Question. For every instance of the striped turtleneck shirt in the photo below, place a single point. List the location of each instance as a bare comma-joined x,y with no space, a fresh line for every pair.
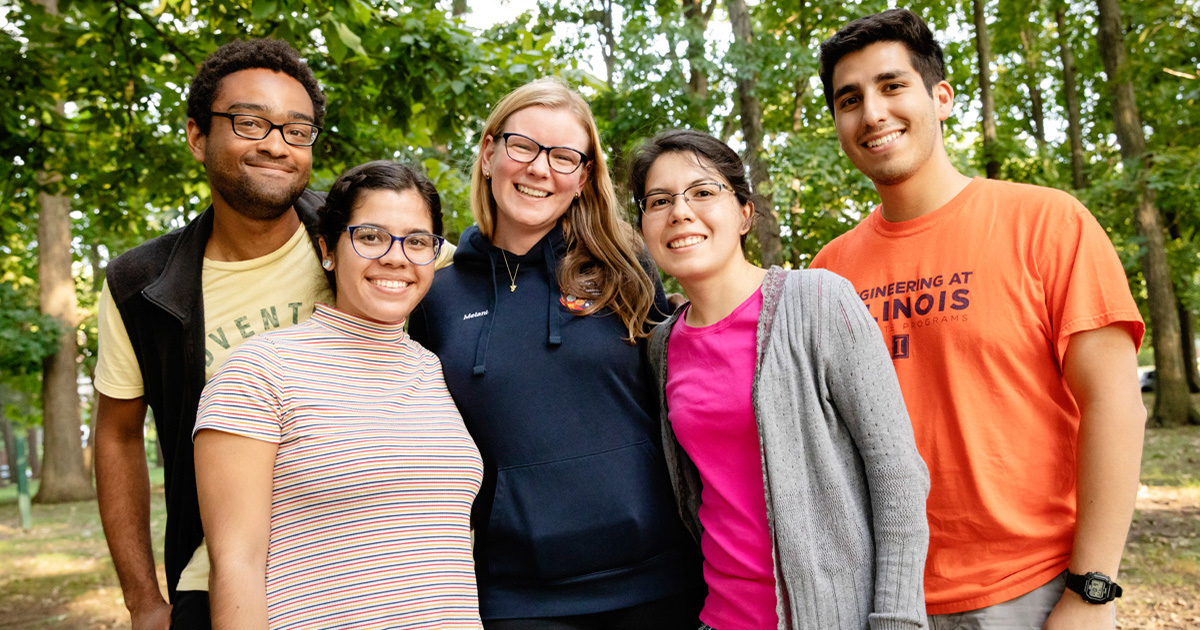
373,479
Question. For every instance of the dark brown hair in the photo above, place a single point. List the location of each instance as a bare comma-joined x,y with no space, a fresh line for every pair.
894,25
708,151
334,216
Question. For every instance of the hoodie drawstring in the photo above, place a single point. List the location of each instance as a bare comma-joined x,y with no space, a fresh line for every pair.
485,334
554,314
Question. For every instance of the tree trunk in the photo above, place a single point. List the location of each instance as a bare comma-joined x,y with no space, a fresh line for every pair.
984,49
799,92
34,438
64,476
766,224
731,122
1172,401
800,85
608,47
1187,322
1036,115
1071,96
696,17
1187,338
9,440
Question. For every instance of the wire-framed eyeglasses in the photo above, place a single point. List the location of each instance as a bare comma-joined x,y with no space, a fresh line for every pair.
370,242
251,127
524,149
698,196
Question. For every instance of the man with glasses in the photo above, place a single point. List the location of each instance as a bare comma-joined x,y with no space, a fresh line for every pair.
173,308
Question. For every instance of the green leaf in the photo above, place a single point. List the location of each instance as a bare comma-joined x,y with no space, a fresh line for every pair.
352,41
263,9
337,49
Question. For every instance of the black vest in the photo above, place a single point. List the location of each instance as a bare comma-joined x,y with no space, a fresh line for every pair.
157,289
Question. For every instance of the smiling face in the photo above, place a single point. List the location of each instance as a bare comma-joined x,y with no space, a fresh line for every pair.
388,288
259,179
531,198
693,242
888,123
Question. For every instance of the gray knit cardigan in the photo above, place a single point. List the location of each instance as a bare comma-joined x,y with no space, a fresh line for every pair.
844,483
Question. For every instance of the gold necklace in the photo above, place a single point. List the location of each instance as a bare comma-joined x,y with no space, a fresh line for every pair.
512,277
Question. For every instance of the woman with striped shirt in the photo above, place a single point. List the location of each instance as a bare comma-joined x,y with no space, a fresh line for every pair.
334,472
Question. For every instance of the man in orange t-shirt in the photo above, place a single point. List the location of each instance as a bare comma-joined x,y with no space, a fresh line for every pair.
1014,337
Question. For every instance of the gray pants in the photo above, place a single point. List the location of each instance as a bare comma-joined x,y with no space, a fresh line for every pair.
1027,612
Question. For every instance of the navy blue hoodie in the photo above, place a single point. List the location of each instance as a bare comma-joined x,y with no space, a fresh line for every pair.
576,513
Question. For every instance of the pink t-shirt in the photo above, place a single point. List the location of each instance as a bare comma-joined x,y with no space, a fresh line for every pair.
710,373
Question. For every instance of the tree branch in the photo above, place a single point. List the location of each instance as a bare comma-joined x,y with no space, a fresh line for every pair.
150,22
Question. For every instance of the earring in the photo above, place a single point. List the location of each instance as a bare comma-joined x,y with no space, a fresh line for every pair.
327,265
487,175
577,194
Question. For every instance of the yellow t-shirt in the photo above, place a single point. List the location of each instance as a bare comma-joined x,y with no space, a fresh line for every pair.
241,299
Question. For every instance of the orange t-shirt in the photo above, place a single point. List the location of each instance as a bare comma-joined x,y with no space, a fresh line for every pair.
977,301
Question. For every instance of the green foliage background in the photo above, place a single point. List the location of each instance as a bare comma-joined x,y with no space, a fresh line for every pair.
97,95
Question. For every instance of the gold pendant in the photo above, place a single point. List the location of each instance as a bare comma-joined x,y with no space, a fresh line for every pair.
512,288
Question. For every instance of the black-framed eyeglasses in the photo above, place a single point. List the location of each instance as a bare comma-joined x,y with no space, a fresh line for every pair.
524,149
251,127
698,196
370,242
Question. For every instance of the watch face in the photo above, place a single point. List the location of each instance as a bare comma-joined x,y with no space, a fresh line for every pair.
1095,588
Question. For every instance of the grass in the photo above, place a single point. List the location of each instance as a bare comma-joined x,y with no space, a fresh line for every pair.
1172,458
59,574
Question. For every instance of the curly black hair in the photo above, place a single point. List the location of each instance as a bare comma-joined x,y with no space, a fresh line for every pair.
893,25
270,54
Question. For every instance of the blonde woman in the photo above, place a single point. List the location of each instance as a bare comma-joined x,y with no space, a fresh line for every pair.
540,325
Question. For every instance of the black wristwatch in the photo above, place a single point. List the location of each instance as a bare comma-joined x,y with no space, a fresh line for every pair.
1094,587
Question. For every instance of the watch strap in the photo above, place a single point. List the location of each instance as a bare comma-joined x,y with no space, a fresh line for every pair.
1079,583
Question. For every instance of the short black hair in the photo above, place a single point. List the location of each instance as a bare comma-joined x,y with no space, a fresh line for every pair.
894,25
248,54
334,216
710,152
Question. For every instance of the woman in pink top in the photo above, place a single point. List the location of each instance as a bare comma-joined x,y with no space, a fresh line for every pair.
786,436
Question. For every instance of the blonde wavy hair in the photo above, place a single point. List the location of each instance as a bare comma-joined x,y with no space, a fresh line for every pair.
602,258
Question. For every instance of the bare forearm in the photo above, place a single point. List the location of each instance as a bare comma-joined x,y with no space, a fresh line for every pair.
233,479
1100,367
238,595
1101,370
1109,453
123,486
1109,459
